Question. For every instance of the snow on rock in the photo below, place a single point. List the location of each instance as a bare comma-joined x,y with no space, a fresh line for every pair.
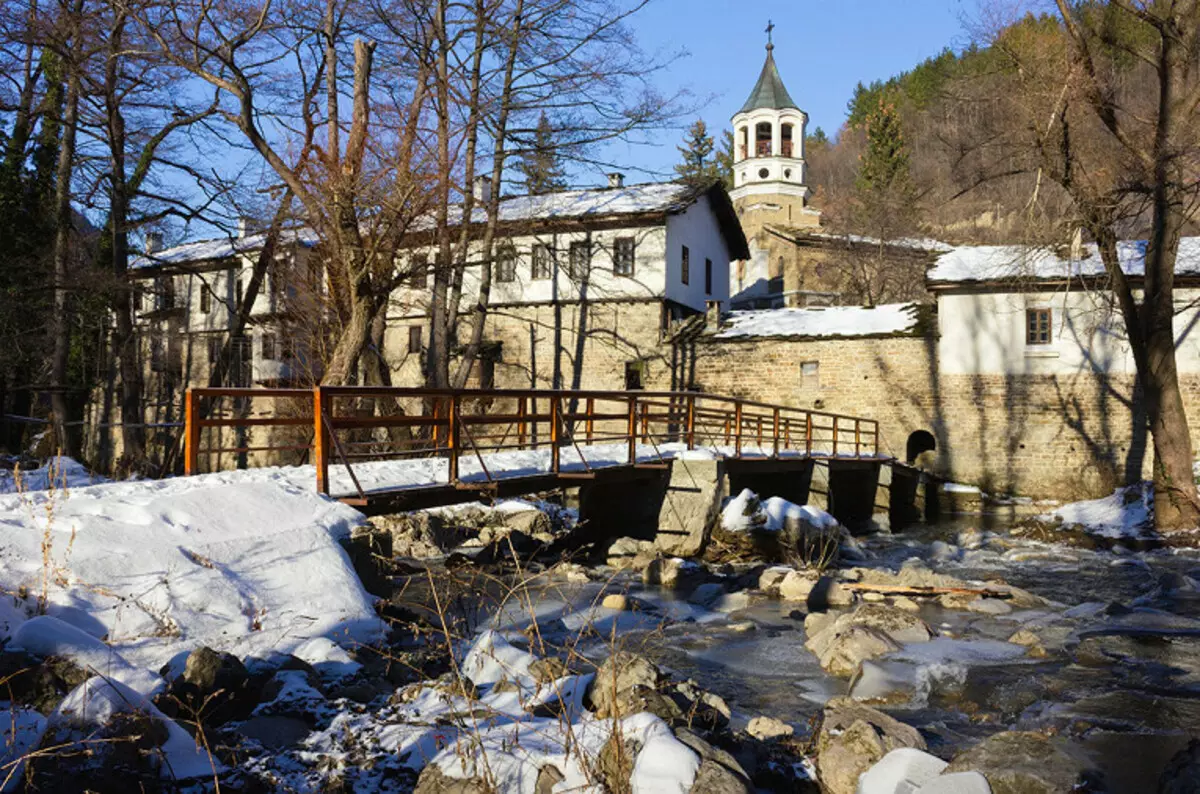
328,658
96,701
245,562
21,731
58,472
904,769
492,659
892,318
1127,513
46,636
745,511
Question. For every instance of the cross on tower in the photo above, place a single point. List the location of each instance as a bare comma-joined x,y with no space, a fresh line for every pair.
770,27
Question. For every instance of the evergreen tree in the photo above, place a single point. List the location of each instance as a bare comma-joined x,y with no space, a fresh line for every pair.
540,166
725,159
884,167
698,166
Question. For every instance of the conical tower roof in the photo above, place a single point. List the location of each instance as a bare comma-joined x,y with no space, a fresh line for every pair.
769,91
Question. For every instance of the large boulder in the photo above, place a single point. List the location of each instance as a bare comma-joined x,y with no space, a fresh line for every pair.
852,738
631,553
626,683
719,772
418,535
843,642
1021,762
690,507
434,781
673,573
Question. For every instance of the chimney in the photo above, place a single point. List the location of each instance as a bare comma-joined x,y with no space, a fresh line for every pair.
712,315
616,180
481,188
1077,244
245,226
154,242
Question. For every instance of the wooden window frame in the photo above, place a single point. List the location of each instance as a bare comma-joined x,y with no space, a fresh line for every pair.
624,256
579,266
506,263
269,346
541,262
205,299
415,342
685,265
708,276
418,271
1038,332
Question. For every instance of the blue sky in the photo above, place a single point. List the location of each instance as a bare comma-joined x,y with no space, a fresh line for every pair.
823,48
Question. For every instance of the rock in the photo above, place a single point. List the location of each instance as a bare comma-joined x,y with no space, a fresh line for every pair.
624,685
971,539
719,772
707,594
615,601
630,553
616,761
771,578
38,684
732,602
957,783
1025,637
871,630
1182,773
989,606
769,728
547,670
798,585
418,535
852,738
957,600
673,573
533,523
572,572
905,603
873,598
940,550
208,670
548,777
1020,762
690,508
434,781
275,732
742,626
904,766
811,540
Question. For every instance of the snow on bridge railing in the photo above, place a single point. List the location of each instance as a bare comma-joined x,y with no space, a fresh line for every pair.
577,431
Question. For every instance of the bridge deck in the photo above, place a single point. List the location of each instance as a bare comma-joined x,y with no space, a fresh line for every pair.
413,448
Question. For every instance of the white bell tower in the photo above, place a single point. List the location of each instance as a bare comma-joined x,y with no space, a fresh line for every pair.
768,141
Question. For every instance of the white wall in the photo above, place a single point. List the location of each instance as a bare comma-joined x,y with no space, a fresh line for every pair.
983,333
696,228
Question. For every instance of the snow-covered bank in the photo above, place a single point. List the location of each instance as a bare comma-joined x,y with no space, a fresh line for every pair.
245,561
1127,513
58,472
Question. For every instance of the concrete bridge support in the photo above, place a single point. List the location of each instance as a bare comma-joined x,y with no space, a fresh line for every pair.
851,491
789,479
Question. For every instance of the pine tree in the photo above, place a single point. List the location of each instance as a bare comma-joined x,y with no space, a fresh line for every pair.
541,166
884,167
725,160
698,166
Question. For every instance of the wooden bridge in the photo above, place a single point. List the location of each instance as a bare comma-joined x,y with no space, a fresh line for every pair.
400,448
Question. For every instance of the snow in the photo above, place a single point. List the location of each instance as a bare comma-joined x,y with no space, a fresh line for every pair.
904,765
915,243
221,248
46,636
832,321
21,731
1000,262
327,658
96,701
245,562
745,511
58,472
958,487
1126,513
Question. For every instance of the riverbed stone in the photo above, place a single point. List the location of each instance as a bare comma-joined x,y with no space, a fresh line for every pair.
905,603
625,684
616,601
770,579
798,585
957,783
631,553
434,781
852,738
764,727
707,594
1021,762
988,606
690,507
871,630
673,573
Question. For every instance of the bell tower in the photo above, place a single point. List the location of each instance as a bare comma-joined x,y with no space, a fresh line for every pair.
768,152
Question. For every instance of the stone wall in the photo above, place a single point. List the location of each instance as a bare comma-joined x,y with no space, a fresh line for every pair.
1049,436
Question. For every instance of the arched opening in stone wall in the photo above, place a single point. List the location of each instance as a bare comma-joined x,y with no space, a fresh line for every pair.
919,441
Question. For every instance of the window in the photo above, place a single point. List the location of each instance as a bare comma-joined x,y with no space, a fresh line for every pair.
164,293
633,375
541,261
238,292
205,299
215,344
287,348
418,271
269,347
1037,326
685,266
810,375
240,364
414,339
581,255
708,277
623,256
506,263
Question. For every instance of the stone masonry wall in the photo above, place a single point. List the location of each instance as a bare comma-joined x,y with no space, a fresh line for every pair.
1065,437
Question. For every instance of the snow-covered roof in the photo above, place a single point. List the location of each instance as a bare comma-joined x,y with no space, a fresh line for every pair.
832,321
980,263
221,248
926,244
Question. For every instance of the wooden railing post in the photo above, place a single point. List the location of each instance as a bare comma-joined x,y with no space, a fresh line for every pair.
191,430
737,430
521,424
321,439
857,439
591,410
776,433
554,419
645,423
691,421
452,437
631,430
835,436
808,433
